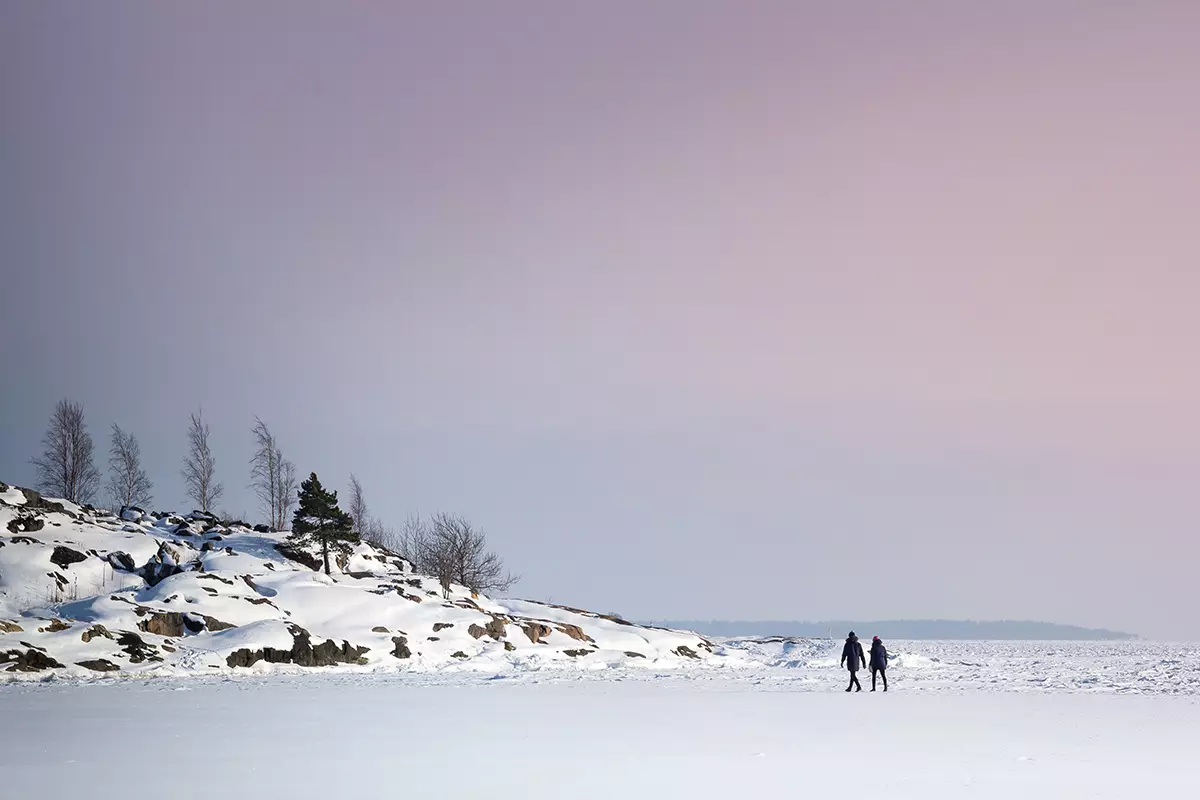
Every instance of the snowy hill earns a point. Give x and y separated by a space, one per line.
84 592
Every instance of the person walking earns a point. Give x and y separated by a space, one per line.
879 659
853 658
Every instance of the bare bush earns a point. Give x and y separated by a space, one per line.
356 507
128 483
272 477
199 467
450 549
65 469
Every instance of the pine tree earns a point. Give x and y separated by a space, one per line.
318 520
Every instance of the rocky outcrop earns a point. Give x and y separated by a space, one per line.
64 556
99 665
10 627
31 660
137 650
174 624
25 523
303 653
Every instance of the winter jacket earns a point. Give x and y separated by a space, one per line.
879 656
852 654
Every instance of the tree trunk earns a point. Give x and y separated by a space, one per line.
325 553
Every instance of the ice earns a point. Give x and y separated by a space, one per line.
697 736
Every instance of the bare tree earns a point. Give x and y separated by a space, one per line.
357 506
65 469
450 549
128 485
272 476
199 467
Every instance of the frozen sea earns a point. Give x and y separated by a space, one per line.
962 720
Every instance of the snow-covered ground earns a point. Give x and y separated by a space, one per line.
700 734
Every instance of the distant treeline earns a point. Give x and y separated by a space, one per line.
900 629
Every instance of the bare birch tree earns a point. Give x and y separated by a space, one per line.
128 483
199 467
272 477
452 550
357 506
65 468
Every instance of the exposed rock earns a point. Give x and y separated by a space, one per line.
575 632
25 523
175 624
438 626
509 645
99 665
577 653
131 513
401 649
299 555
302 653
433 639
122 561
632 654
23 540
476 631
379 629
262 528
459 654
64 556
32 660
536 631
166 562
137 649
10 627
94 632
35 502
208 576
55 626
685 651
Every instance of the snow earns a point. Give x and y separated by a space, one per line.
698 734
85 590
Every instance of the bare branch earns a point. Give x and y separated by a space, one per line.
272 477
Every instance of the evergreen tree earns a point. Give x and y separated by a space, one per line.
318 520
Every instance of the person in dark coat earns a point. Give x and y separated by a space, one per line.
879 659
853 658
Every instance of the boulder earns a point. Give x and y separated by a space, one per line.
122 561
262 528
32 660
509 646
303 653
401 647
577 653
575 632
137 650
55 626
166 562
10 627
99 665
25 523
439 626
35 502
536 631
494 629
65 556
632 654
379 629
132 513
94 632
685 651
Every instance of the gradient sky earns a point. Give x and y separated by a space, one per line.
739 310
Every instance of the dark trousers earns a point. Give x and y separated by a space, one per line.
877 671
854 681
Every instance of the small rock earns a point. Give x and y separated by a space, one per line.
65 556
379 629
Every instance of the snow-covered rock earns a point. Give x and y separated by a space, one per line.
84 592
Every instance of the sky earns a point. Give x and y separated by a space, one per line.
767 310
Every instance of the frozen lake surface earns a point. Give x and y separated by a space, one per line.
973 720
